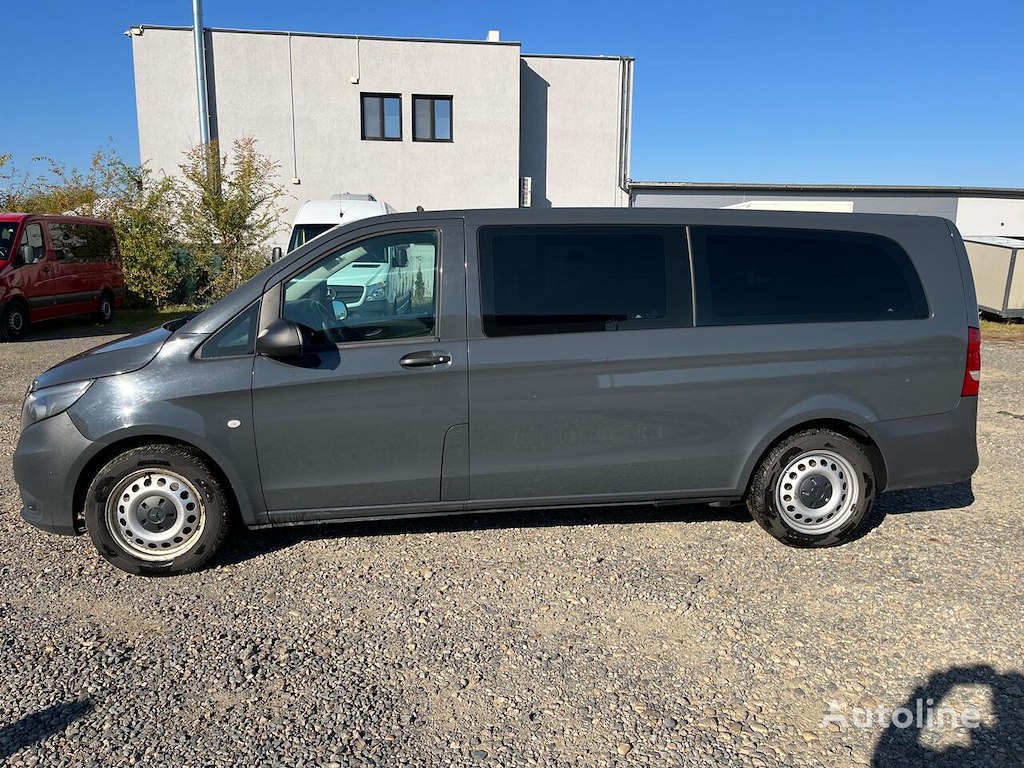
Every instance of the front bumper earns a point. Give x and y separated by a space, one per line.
47 463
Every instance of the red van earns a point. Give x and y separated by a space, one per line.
56 266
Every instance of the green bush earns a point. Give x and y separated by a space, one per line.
229 207
182 239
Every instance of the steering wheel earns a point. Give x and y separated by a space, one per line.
3 254
324 315
310 313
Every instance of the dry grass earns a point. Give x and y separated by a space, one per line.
1002 330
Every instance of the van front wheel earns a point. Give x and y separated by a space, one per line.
14 321
157 510
814 489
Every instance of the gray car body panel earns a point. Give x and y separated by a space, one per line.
117 357
520 422
355 428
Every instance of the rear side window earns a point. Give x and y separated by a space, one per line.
82 243
759 275
562 279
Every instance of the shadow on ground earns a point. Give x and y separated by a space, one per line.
953 496
34 728
245 544
56 330
997 741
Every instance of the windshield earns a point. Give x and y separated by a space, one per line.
8 229
303 233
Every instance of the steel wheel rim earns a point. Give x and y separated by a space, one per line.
106 309
817 492
16 321
156 514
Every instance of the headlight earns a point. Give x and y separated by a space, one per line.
377 292
49 401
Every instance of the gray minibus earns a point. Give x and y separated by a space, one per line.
798 362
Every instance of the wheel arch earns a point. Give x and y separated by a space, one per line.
845 425
17 297
242 503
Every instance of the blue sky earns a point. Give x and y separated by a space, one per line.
896 92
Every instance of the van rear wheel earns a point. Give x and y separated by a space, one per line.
105 311
14 321
157 510
814 489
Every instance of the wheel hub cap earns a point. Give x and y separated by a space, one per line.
817 492
155 512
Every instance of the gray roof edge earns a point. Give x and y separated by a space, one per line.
599 57
174 28
890 189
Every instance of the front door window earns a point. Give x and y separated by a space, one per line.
31 248
379 289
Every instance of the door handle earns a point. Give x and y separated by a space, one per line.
424 359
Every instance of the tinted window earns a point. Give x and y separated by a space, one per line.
380 288
303 233
236 338
581 279
82 243
756 275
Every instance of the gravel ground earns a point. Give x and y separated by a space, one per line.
615 638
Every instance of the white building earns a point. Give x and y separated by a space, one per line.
974 210
431 123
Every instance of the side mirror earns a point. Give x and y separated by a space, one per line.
340 309
282 338
25 255
401 258
276 253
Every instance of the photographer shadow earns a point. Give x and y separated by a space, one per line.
998 741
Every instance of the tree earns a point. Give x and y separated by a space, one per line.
229 208
149 242
419 289
15 185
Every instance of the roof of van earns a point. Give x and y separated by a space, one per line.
53 217
334 210
597 216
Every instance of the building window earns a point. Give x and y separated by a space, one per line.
431 118
382 117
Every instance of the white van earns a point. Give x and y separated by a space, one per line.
376 283
317 216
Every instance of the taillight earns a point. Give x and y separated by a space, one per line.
972 371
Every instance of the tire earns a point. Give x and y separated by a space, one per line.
814 489
14 321
157 510
105 311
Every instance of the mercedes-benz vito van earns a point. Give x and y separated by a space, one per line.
802 362
56 266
